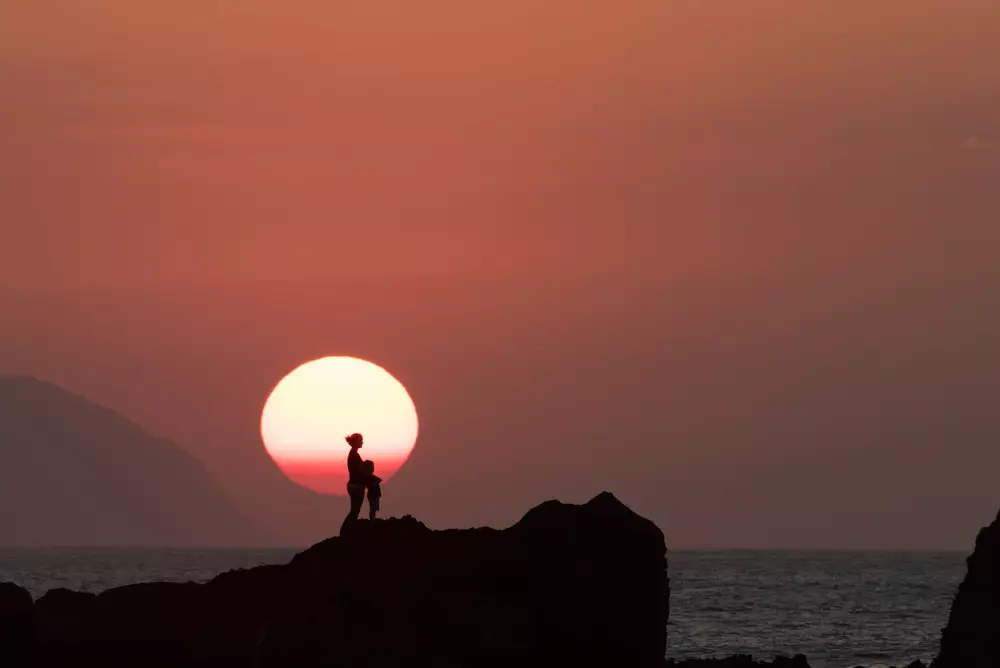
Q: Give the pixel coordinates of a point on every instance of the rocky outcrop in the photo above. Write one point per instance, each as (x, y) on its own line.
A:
(15, 624)
(567, 585)
(66, 626)
(972, 637)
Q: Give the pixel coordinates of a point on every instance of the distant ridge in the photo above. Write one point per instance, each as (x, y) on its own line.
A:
(76, 473)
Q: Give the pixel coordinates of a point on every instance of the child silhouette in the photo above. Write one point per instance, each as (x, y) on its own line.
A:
(374, 489)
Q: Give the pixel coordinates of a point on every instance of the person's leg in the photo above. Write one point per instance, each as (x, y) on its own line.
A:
(356, 502)
(357, 499)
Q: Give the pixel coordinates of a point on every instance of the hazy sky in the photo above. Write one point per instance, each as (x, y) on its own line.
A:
(737, 262)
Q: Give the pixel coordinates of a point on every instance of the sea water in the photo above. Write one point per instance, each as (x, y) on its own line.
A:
(840, 609)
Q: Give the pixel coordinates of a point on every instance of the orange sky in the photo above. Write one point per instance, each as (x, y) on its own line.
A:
(736, 262)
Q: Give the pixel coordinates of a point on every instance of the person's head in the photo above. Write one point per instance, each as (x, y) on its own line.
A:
(355, 440)
(369, 466)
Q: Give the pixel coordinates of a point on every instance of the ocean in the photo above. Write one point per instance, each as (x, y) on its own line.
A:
(841, 609)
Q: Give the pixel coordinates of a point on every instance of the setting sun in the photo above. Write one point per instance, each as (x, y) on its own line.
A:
(312, 409)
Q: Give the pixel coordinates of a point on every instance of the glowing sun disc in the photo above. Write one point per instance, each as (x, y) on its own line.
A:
(312, 409)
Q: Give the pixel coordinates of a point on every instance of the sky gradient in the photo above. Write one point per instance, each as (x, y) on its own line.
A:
(738, 263)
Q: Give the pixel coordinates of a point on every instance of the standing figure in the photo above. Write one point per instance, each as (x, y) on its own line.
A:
(357, 480)
(374, 489)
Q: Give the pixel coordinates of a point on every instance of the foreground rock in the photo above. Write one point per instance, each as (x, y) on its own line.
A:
(972, 637)
(15, 624)
(567, 585)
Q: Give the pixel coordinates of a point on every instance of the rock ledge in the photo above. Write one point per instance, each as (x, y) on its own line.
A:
(972, 637)
(567, 585)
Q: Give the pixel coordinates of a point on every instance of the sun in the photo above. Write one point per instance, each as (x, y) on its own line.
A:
(312, 409)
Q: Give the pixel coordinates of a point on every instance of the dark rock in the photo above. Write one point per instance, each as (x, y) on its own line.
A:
(972, 637)
(796, 661)
(567, 585)
(63, 625)
(16, 625)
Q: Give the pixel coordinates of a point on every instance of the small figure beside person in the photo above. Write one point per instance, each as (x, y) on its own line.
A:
(361, 479)
(374, 489)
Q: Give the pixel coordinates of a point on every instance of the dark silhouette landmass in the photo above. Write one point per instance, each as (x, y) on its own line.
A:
(75, 473)
(567, 585)
(972, 637)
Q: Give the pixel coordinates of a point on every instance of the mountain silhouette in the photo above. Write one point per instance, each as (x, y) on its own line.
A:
(75, 473)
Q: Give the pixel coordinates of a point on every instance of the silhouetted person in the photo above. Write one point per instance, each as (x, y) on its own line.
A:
(374, 489)
(356, 482)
